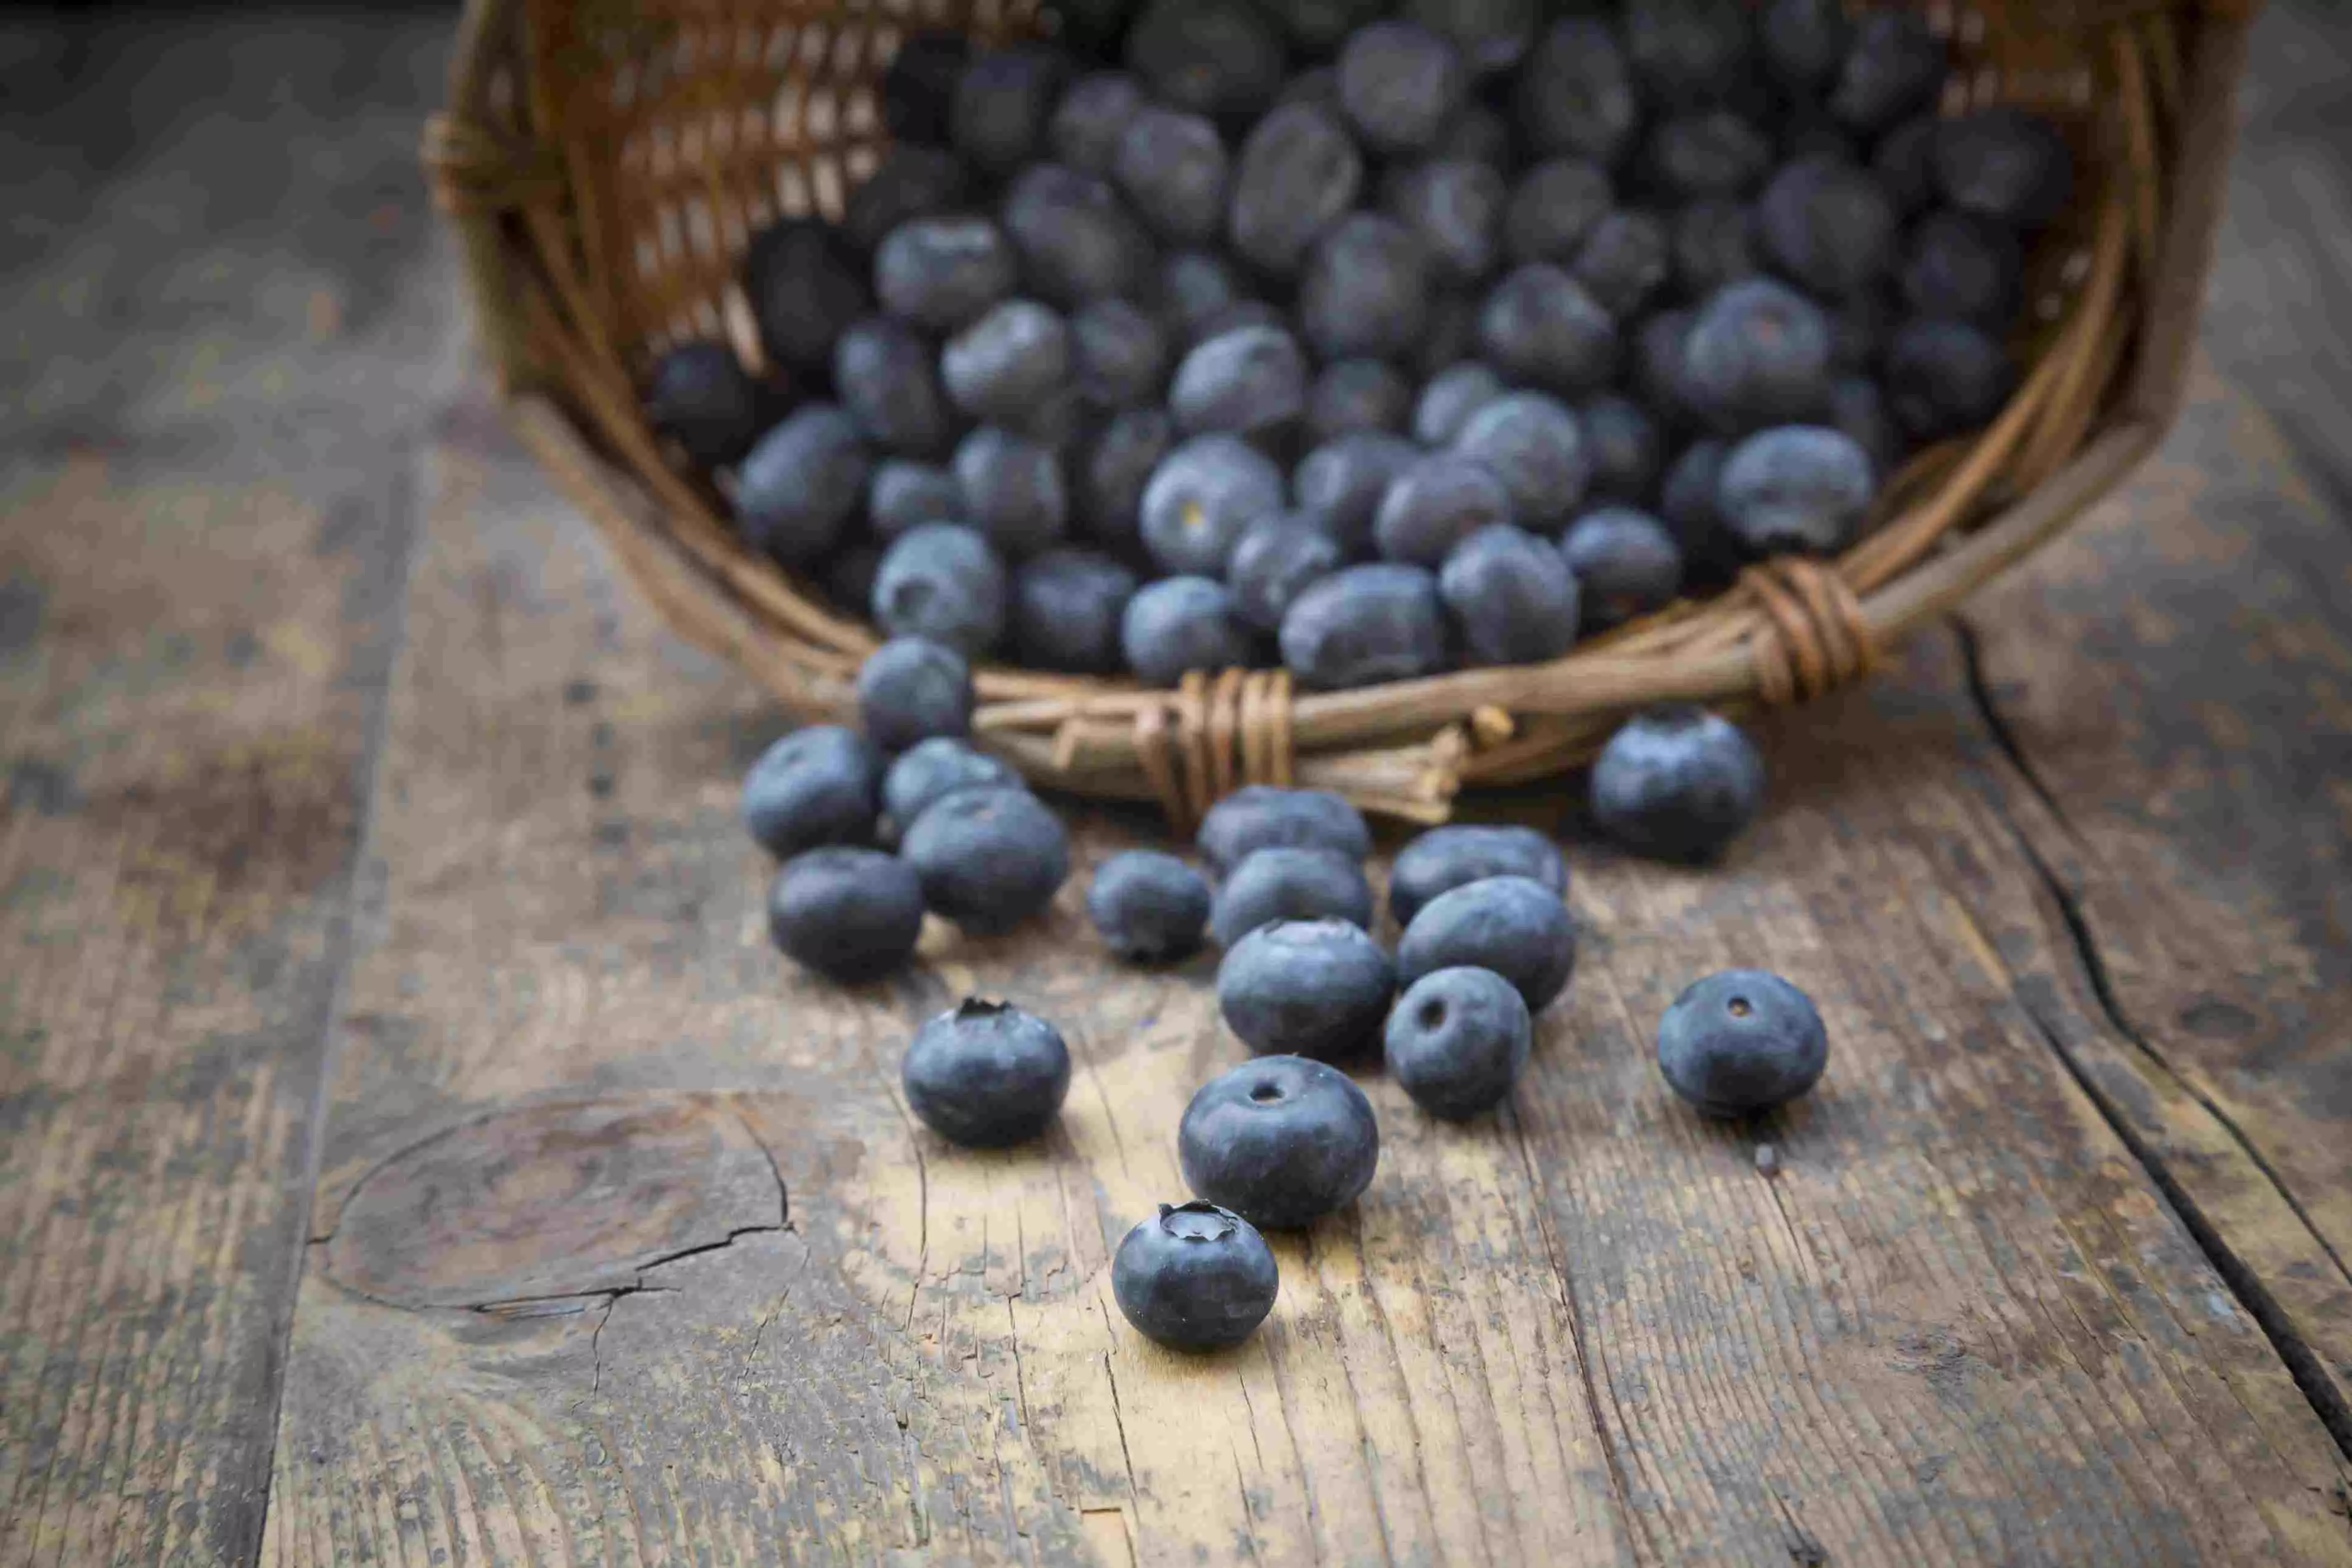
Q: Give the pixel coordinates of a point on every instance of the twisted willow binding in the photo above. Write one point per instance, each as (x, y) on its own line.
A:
(605, 161)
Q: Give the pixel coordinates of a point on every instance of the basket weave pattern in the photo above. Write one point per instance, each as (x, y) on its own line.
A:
(606, 162)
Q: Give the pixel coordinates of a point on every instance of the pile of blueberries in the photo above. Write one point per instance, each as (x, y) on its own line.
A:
(1487, 945)
(1216, 333)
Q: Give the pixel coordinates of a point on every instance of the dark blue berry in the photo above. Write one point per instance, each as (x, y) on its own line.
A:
(1458, 1040)
(1275, 560)
(1357, 395)
(1194, 1277)
(1112, 472)
(1182, 624)
(1626, 562)
(1677, 783)
(801, 483)
(1013, 491)
(1946, 378)
(849, 914)
(1450, 398)
(944, 273)
(1904, 162)
(1540, 328)
(699, 396)
(989, 859)
(1319, 26)
(1202, 496)
(905, 495)
(1272, 885)
(1196, 289)
(1554, 209)
(1713, 244)
(1400, 83)
(1119, 354)
(1477, 133)
(1795, 487)
(986, 1075)
(1311, 988)
(1805, 43)
(1828, 224)
(1298, 172)
(1454, 206)
(1343, 481)
(1756, 353)
(2004, 162)
(1173, 170)
(1894, 70)
(1455, 856)
(1092, 117)
(933, 771)
(1364, 625)
(884, 372)
(1958, 264)
(1263, 817)
(849, 576)
(1218, 57)
(919, 87)
(912, 181)
(1451, 336)
(1625, 260)
(1689, 52)
(1366, 290)
(1713, 153)
(1076, 240)
(1860, 327)
(1248, 381)
(816, 786)
(1002, 103)
(1282, 1140)
(1491, 35)
(1686, 503)
(1741, 1042)
(911, 689)
(1002, 367)
(1148, 906)
(1624, 445)
(1576, 94)
(1656, 371)
(1857, 408)
(1436, 504)
(941, 581)
(1515, 926)
(1512, 597)
(1066, 608)
(805, 285)
(1534, 445)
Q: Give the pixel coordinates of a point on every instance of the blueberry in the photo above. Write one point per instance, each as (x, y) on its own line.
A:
(1012, 490)
(801, 484)
(1357, 395)
(1078, 242)
(1626, 562)
(1445, 859)
(1894, 70)
(989, 859)
(1859, 329)
(1741, 1042)
(1457, 1042)
(1539, 327)
(1249, 380)
(943, 273)
(1148, 908)
(1805, 43)
(1808, 130)
(1198, 287)
(1002, 103)
(882, 369)
(1450, 398)
(1946, 378)
(1758, 353)
(1554, 208)
(1625, 447)
(1686, 503)
(1512, 596)
(911, 689)
(1263, 816)
(933, 770)
(700, 397)
(1298, 173)
(1280, 884)
(1342, 482)
(1093, 28)
(1201, 497)
(1319, 26)
(804, 286)
(1196, 1277)
(1655, 376)
(1399, 84)
(1828, 223)
(1243, 314)
(1282, 1140)
(1515, 926)
(1904, 162)
(1713, 246)
(1857, 408)
(1173, 168)
(1687, 52)
(1576, 93)
(1092, 117)
(1534, 445)
(1623, 261)
(814, 787)
(1452, 335)
(1314, 988)
(1066, 608)
(911, 182)
(1711, 154)
(1364, 625)
(919, 87)
(1795, 487)
(849, 576)
(1454, 206)
(1317, 85)
(905, 495)
(1491, 35)
(1182, 624)
(1113, 469)
(1475, 134)
(941, 581)
(849, 914)
(1434, 505)
(1006, 364)
(1677, 783)
(1366, 290)
(2004, 162)
(1275, 560)
(1958, 264)
(1218, 57)
(986, 1075)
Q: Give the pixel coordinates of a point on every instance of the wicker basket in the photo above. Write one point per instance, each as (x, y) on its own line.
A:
(605, 161)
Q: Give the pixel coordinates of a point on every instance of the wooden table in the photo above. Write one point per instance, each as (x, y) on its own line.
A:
(411, 1150)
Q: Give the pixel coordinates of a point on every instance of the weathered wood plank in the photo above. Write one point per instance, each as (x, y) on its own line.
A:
(1961, 1325)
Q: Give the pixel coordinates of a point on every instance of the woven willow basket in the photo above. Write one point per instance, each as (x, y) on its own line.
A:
(605, 162)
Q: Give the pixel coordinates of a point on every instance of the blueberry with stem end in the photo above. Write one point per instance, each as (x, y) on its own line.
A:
(1741, 1042)
(1457, 1041)
(943, 582)
(1194, 1277)
(1281, 1141)
(986, 1075)
(912, 689)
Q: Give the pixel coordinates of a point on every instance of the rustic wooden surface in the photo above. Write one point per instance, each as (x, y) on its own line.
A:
(413, 1152)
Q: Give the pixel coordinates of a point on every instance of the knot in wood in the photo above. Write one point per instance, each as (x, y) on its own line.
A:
(1814, 637)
